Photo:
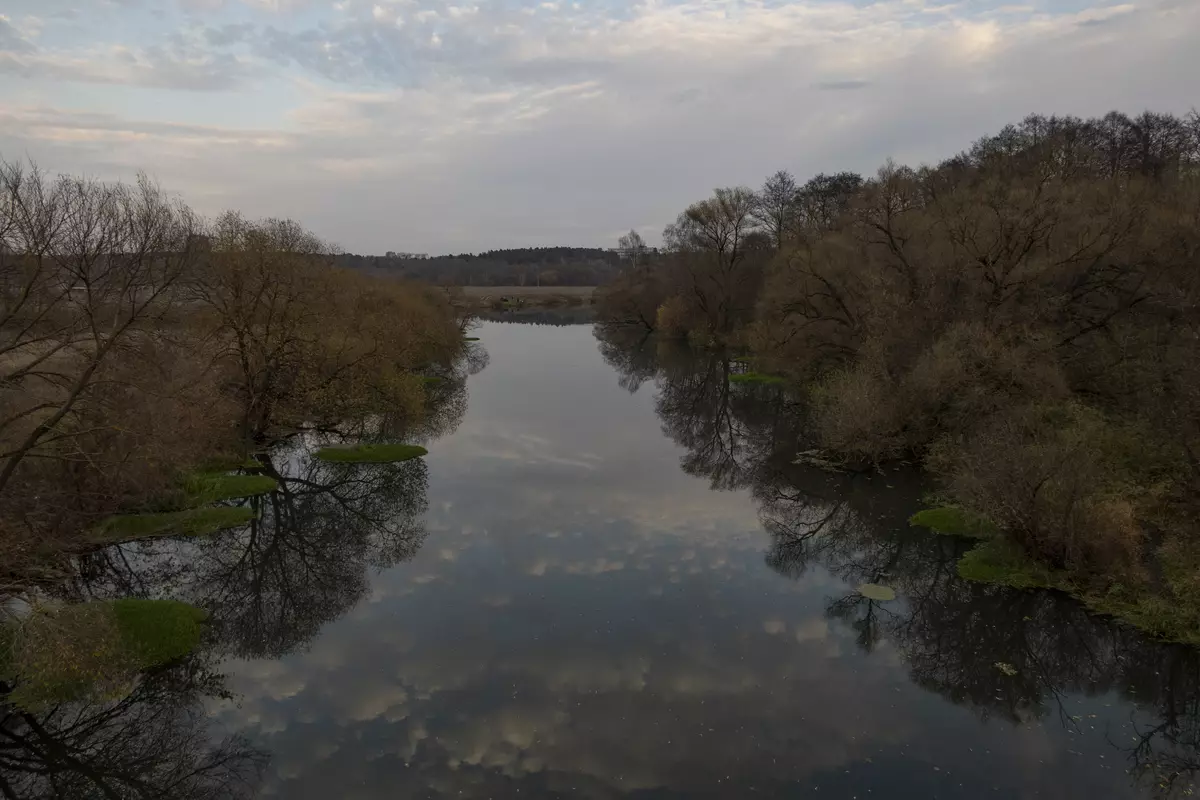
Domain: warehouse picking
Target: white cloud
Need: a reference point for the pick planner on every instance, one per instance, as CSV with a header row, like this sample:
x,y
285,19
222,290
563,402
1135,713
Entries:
x,y
472,126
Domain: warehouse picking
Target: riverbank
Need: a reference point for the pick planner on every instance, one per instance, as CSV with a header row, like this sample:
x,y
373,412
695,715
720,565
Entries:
x,y
503,298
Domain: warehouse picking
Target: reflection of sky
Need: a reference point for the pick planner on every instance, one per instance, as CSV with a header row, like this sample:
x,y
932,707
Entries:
x,y
584,619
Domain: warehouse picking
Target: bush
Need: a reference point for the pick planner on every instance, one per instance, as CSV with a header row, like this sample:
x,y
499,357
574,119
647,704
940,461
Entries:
x,y
1058,479
672,318
854,414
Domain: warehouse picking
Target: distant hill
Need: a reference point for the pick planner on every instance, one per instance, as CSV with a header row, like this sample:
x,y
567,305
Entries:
x,y
527,266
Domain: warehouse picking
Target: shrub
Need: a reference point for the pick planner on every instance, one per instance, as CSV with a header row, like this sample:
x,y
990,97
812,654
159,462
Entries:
x,y
1057,479
672,317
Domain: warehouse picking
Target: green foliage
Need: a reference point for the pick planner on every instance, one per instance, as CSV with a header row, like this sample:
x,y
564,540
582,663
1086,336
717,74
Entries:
x,y
954,521
371,453
94,651
207,487
1000,563
157,631
877,592
756,377
190,522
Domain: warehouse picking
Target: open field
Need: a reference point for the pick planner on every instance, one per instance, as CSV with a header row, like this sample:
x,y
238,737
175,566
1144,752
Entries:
x,y
528,291
509,297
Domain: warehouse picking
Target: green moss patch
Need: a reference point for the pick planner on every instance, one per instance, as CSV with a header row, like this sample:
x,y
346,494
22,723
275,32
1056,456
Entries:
x,y
94,650
877,592
756,377
998,562
954,521
207,487
157,631
191,522
371,453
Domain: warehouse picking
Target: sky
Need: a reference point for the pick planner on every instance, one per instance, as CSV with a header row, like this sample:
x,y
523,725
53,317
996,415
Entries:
x,y
457,126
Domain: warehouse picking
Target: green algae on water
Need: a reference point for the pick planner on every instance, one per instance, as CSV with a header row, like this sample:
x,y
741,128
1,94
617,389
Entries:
x,y
877,592
190,522
954,521
371,453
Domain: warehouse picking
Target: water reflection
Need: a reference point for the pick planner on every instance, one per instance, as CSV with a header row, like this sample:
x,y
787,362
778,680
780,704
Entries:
x,y
303,561
1016,656
154,743
562,601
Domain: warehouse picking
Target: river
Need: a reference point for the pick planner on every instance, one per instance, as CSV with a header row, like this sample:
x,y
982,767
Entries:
x,y
609,579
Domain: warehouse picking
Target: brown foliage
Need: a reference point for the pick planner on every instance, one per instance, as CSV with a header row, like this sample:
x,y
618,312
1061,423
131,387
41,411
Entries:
x,y
1057,479
1054,266
136,343
307,343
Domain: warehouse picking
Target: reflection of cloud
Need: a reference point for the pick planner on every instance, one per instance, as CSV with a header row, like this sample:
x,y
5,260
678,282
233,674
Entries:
x,y
526,449
815,629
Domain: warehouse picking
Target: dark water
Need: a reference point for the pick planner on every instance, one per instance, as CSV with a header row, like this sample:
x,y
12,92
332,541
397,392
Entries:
x,y
609,581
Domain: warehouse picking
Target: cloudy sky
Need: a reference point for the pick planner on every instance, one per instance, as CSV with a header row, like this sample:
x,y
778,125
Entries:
x,y
462,125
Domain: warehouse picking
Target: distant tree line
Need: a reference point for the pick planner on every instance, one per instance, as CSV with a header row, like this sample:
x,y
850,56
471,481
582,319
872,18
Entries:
x,y
1023,318
529,266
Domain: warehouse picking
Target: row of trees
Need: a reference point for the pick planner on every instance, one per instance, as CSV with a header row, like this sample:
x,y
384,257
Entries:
x,y
1023,318
138,340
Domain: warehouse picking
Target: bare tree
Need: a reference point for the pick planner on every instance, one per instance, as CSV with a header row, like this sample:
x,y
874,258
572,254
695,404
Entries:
x,y
709,241
633,247
87,270
824,198
775,206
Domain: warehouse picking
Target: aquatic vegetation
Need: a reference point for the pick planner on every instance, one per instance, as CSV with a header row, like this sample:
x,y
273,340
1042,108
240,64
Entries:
x,y
94,650
954,521
998,562
875,591
208,487
371,453
189,522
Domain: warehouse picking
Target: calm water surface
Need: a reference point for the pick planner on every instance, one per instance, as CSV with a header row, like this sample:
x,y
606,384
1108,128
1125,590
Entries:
x,y
609,580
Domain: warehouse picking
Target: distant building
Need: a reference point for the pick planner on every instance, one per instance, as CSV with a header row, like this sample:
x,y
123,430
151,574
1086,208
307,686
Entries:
x,y
418,256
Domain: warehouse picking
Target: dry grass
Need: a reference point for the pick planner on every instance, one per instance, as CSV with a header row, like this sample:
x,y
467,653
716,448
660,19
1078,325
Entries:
x,y
527,291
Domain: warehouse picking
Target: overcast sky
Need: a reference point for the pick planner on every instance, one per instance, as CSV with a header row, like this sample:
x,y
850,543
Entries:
x,y
435,126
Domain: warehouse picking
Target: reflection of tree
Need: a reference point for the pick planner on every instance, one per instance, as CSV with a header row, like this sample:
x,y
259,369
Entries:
x,y
631,352
953,634
304,559
571,315
155,743
302,562
729,430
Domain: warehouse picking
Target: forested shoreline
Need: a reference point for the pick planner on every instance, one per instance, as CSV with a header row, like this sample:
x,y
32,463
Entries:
x,y
146,352
1021,319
